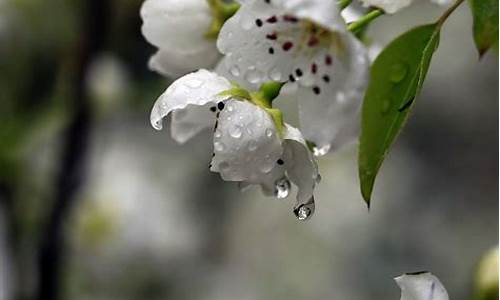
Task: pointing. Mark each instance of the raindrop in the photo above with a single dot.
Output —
(253, 76)
(218, 146)
(275, 74)
(158, 125)
(269, 133)
(235, 132)
(320, 151)
(398, 72)
(217, 134)
(305, 210)
(235, 71)
(341, 98)
(252, 145)
(194, 83)
(282, 188)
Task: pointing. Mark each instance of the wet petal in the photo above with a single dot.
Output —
(421, 286)
(330, 96)
(265, 42)
(302, 168)
(198, 89)
(178, 29)
(246, 145)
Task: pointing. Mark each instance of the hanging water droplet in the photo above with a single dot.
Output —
(282, 188)
(219, 146)
(252, 145)
(386, 105)
(157, 125)
(235, 132)
(217, 134)
(269, 132)
(398, 72)
(305, 211)
(194, 83)
(275, 74)
(235, 71)
(320, 151)
(253, 76)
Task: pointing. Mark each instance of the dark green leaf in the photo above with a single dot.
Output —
(397, 76)
(485, 14)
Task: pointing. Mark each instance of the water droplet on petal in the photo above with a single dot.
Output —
(217, 134)
(398, 72)
(235, 71)
(305, 211)
(282, 188)
(320, 151)
(218, 146)
(269, 133)
(253, 76)
(235, 132)
(194, 83)
(275, 74)
(252, 145)
(341, 98)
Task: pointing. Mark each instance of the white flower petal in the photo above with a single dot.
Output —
(321, 12)
(389, 6)
(301, 166)
(330, 108)
(176, 62)
(421, 286)
(198, 88)
(186, 123)
(178, 29)
(246, 144)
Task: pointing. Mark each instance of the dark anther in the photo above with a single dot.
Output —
(298, 72)
(292, 79)
(220, 105)
(271, 50)
(272, 36)
(316, 90)
(289, 18)
(272, 19)
(328, 60)
(213, 108)
(280, 162)
(313, 41)
(259, 22)
(326, 78)
(287, 46)
(314, 68)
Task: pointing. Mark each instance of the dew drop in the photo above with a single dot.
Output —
(235, 132)
(235, 71)
(269, 133)
(219, 147)
(275, 74)
(305, 211)
(217, 134)
(194, 83)
(252, 145)
(253, 76)
(341, 98)
(320, 151)
(398, 72)
(282, 188)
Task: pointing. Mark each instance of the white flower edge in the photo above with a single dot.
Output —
(199, 89)
(421, 286)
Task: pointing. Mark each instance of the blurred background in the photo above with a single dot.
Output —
(95, 204)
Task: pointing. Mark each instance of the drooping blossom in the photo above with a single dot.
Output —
(252, 145)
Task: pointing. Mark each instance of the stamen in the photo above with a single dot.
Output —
(326, 78)
(316, 90)
(272, 36)
(328, 60)
(314, 68)
(259, 22)
(272, 20)
(287, 46)
(298, 72)
(213, 109)
(289, 18)
(271, 50)
(292, 79)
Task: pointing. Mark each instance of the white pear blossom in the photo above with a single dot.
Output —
(250, 147)
(393, 6)
(178, 29)
(306, 43)
(421, 286)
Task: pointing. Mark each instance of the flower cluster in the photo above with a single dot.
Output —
(256, 47)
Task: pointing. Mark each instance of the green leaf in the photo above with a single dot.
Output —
(397, 75)
(485, 14)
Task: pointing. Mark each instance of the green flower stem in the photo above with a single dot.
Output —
(358, 25)
(344, 3)
(448, 12)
